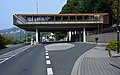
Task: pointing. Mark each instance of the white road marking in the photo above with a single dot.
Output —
(11, 54)
(47, 57)
(49, 71)
(46, 53)
(48, 62)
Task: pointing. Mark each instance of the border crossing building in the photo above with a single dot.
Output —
(76, 25)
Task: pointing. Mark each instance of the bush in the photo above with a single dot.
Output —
(17, 42)
(2, 42)
(112, 46)
(51, 39)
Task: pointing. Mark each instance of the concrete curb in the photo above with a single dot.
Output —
(77, 65)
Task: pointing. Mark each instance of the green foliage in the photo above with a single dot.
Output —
(51, 39)
(112, 46)
(87, 6)
(18, 42)
(70, 7)
(2, 42)
(114, 9)
(60, 35)
(90, 6)
(9, 39)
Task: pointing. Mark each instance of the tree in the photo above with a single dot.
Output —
(70, 7)
(2, 42)
(60, 35)
(114, 10)
(9, 39)
(88, 6)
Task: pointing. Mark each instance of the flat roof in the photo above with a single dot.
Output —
(81, 14)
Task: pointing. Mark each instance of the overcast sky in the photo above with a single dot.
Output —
(10, 7)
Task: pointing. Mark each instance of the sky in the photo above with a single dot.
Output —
(10, 7)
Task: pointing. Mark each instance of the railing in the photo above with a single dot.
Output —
(23, 19)
(19, 20)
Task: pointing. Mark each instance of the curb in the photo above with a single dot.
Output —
(77, 65)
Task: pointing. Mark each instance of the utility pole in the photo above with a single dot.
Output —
(118, 27)
(37, 7)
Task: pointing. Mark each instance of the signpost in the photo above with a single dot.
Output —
(118, 27)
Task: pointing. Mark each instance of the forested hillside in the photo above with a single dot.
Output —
(91, 6)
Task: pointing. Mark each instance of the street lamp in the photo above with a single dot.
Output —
(118, 27)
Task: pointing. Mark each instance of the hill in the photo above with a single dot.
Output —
(16, 32)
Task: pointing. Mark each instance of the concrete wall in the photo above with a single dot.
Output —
(103, 38)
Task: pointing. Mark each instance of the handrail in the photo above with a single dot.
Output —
(19, 19)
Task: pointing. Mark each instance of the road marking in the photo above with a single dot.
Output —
(47, 57)
(46, 53)
(49, 71)
(48, 62)
(11, 54)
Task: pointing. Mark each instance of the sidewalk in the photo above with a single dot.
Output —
(96, 61)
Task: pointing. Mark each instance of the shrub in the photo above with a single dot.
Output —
(112, 46)
(2, 42)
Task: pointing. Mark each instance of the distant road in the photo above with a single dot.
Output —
(35, 61)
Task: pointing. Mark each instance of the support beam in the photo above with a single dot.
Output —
(69, 35)
(37, 36)
(80, 36)
(84, 35)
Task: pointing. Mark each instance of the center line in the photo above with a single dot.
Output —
(48, 62)
(49, 71)
(47, 57)
(46, 53)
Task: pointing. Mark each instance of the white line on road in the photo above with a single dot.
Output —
(48, 62)
(49, 71)
(11, 54)
(46, 53)
(47, 57)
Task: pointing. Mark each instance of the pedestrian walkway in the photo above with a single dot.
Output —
(96, 61)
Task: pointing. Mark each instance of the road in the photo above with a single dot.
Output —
(33, 61)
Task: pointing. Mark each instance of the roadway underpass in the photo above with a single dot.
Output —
(77, 26)
(37, 60)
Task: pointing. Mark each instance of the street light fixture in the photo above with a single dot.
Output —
(118, 27)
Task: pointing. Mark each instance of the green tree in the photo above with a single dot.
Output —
(114, 10)
(60, 35)
(70, 7)
(88, 6)
(9, 39)
(2, 42)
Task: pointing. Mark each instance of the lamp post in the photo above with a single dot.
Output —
(118, 27)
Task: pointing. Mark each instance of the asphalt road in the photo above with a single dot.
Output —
(2, 51)
(63, 61)
(33, 61)
(29, 62)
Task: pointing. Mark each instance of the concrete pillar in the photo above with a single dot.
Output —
(75, 36)
(84, 35)
(72, 36)
(69, 34)
(79, 36)
(37, 36)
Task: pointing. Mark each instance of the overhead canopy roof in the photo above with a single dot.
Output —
(49, 22)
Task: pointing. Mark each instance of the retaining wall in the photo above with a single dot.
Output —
(103, 38)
